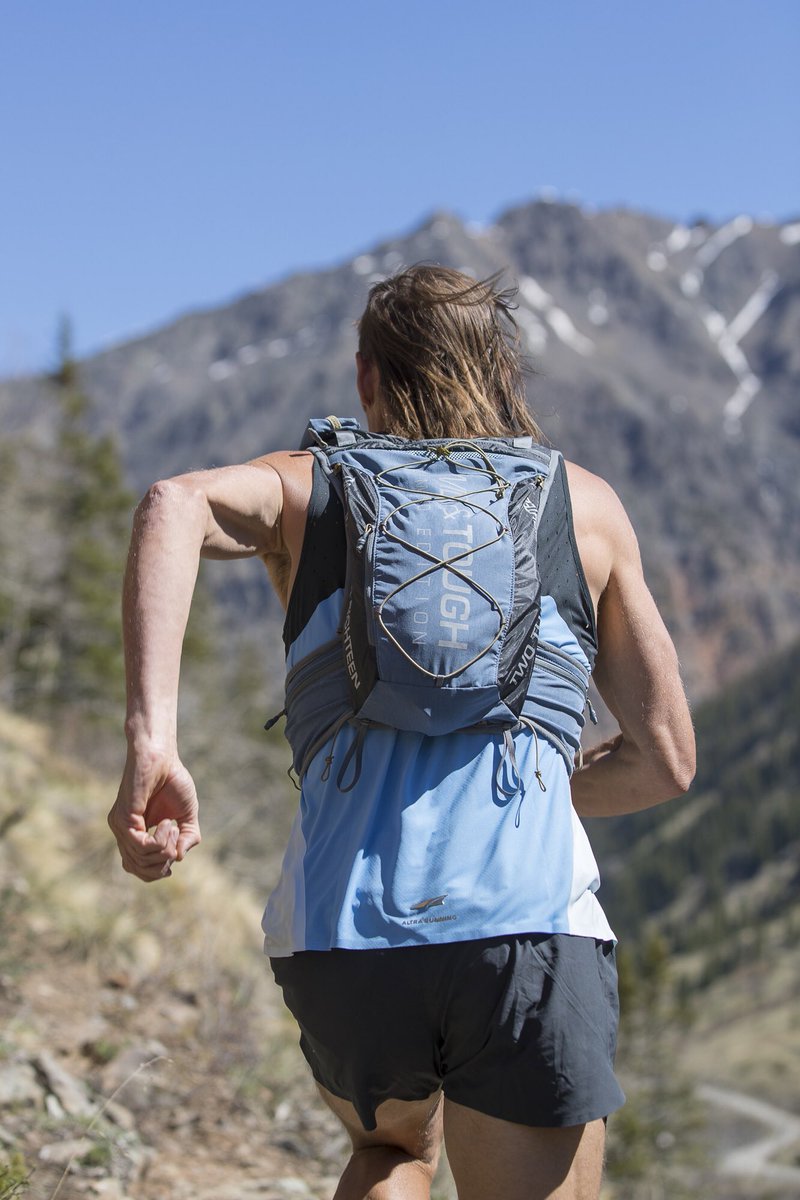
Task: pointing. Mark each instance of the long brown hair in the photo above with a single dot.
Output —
(446, 348)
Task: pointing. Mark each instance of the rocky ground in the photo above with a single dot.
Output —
(145, 1053)
(146, 1095)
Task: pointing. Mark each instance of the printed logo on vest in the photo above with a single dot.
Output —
(523, 662)
(349, 655)
(454, 605)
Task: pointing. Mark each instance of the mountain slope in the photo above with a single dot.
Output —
(716, 876)
(145, 1051)
(668, 363)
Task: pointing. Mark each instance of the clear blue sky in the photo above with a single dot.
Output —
(168, 154)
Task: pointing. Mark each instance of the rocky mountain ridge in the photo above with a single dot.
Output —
(667, 361)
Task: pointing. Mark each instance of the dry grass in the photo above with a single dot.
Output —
(94, 963)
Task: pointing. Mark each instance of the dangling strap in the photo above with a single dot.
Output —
(274, 720)
(508, 754)
(353, 752)
(529, 724)
(326, 773)
(315, 747)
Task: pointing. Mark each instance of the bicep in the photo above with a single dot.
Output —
(242, 508)
(637, 671)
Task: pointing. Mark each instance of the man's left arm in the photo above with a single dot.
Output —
(637, 674)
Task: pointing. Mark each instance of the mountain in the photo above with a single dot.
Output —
(667, 360)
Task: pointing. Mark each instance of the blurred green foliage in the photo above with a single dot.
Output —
(66, 524)
(686, 866)
(657, 1142)
(14, 1176)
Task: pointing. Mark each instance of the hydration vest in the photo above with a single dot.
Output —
(440, 620)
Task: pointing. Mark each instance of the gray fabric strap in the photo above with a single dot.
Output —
(555, 455)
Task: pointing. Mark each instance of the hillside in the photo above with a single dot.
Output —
(667, 362)
(145, 1044)
(716, 876)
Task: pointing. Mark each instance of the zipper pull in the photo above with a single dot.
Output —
(362, 541)
(274, 720)
(592, 713)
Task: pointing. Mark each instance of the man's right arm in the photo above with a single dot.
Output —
(232, 512)
(636, 672)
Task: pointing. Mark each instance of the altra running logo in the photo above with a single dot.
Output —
(423, 905)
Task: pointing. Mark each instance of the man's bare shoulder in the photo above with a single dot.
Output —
(293, 468)
(602, 528)
(595, 504)
(285, 462)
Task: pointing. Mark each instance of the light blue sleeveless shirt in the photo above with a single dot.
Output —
(426, 847)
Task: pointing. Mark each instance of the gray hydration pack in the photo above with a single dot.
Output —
(442, 592)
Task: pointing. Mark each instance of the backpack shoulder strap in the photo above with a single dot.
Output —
(331, 432)
(555, 458)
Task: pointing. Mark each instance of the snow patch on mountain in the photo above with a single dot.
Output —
(364, 264)
(728, 335)
(559, 321)
(711, 248)
(221, 369)
(660, 252)
(597, 312)
(755, 307)
(535, 332)
(723, 237)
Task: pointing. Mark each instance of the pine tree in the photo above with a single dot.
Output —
(59, 621)
(93, 519)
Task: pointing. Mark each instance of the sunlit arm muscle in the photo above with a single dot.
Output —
(637, 674)
(233, 512)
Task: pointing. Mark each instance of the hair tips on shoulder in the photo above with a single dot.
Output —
(447, 351)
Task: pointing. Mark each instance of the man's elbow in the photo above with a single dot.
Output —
(683, 777)
(677, 768)
(178, 495)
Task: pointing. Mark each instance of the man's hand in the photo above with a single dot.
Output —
(155, 815)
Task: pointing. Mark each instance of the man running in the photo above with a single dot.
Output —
(435, 933)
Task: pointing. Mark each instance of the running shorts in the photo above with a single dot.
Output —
(522, 1028)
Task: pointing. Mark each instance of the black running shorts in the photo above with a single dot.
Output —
(523, 1028)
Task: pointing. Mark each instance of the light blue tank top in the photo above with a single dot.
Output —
(427, 847)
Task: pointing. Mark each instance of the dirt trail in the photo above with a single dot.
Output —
(754, 1158)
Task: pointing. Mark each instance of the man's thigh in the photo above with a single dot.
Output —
(491, 1158)
(413, 1126)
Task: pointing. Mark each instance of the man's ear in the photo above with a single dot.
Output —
(366, 381)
